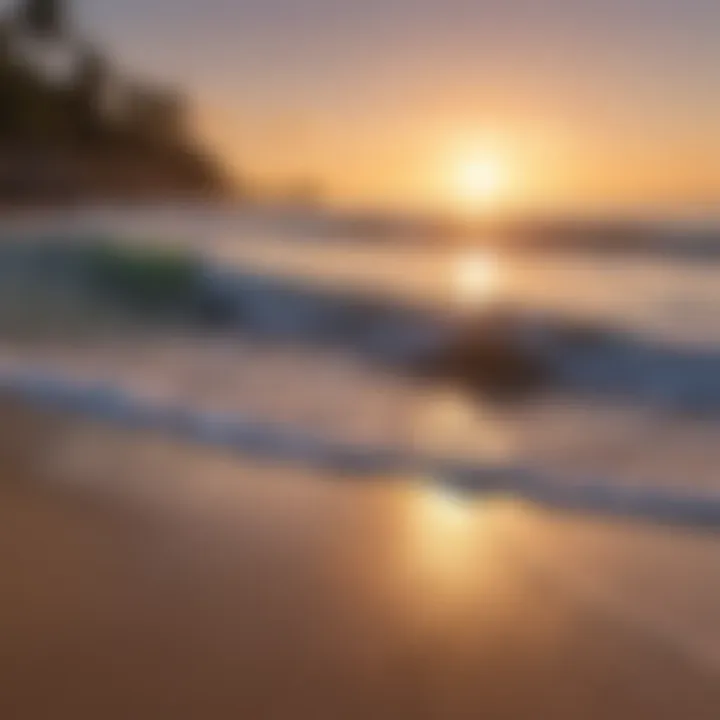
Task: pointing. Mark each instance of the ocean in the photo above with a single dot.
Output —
(642, 407)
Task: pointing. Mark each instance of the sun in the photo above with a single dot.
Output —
(477, 182)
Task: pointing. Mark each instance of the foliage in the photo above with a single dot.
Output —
(85, 127)
(43, 17)
(145, 278)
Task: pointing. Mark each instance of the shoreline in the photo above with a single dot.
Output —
(144, 578)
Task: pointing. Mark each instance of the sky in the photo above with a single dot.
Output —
(578, 103)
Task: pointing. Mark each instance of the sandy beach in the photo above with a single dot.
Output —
(146, 579)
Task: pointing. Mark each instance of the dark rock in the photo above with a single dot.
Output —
(581, 335)
(491, 355)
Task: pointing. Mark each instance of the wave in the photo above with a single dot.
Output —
(501, 353)
(273, 443)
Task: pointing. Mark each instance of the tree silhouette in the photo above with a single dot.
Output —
(86, 94)
(45, 18)
(87, 131)
(156, 115)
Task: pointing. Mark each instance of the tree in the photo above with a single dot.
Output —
(90, 79)
(156, 115)
(44, 18)
(5, 46)
(86, 94)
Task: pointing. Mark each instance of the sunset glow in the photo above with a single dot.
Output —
(593, 105)
(478, 183)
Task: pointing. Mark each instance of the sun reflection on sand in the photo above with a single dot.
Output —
(445, 543)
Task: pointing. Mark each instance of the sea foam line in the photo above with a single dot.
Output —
(251, 438)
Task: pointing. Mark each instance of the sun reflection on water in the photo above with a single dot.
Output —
(475, 278)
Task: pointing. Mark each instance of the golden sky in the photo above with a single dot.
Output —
(580, 103)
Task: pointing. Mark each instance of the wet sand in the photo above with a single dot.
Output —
(144, 579)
